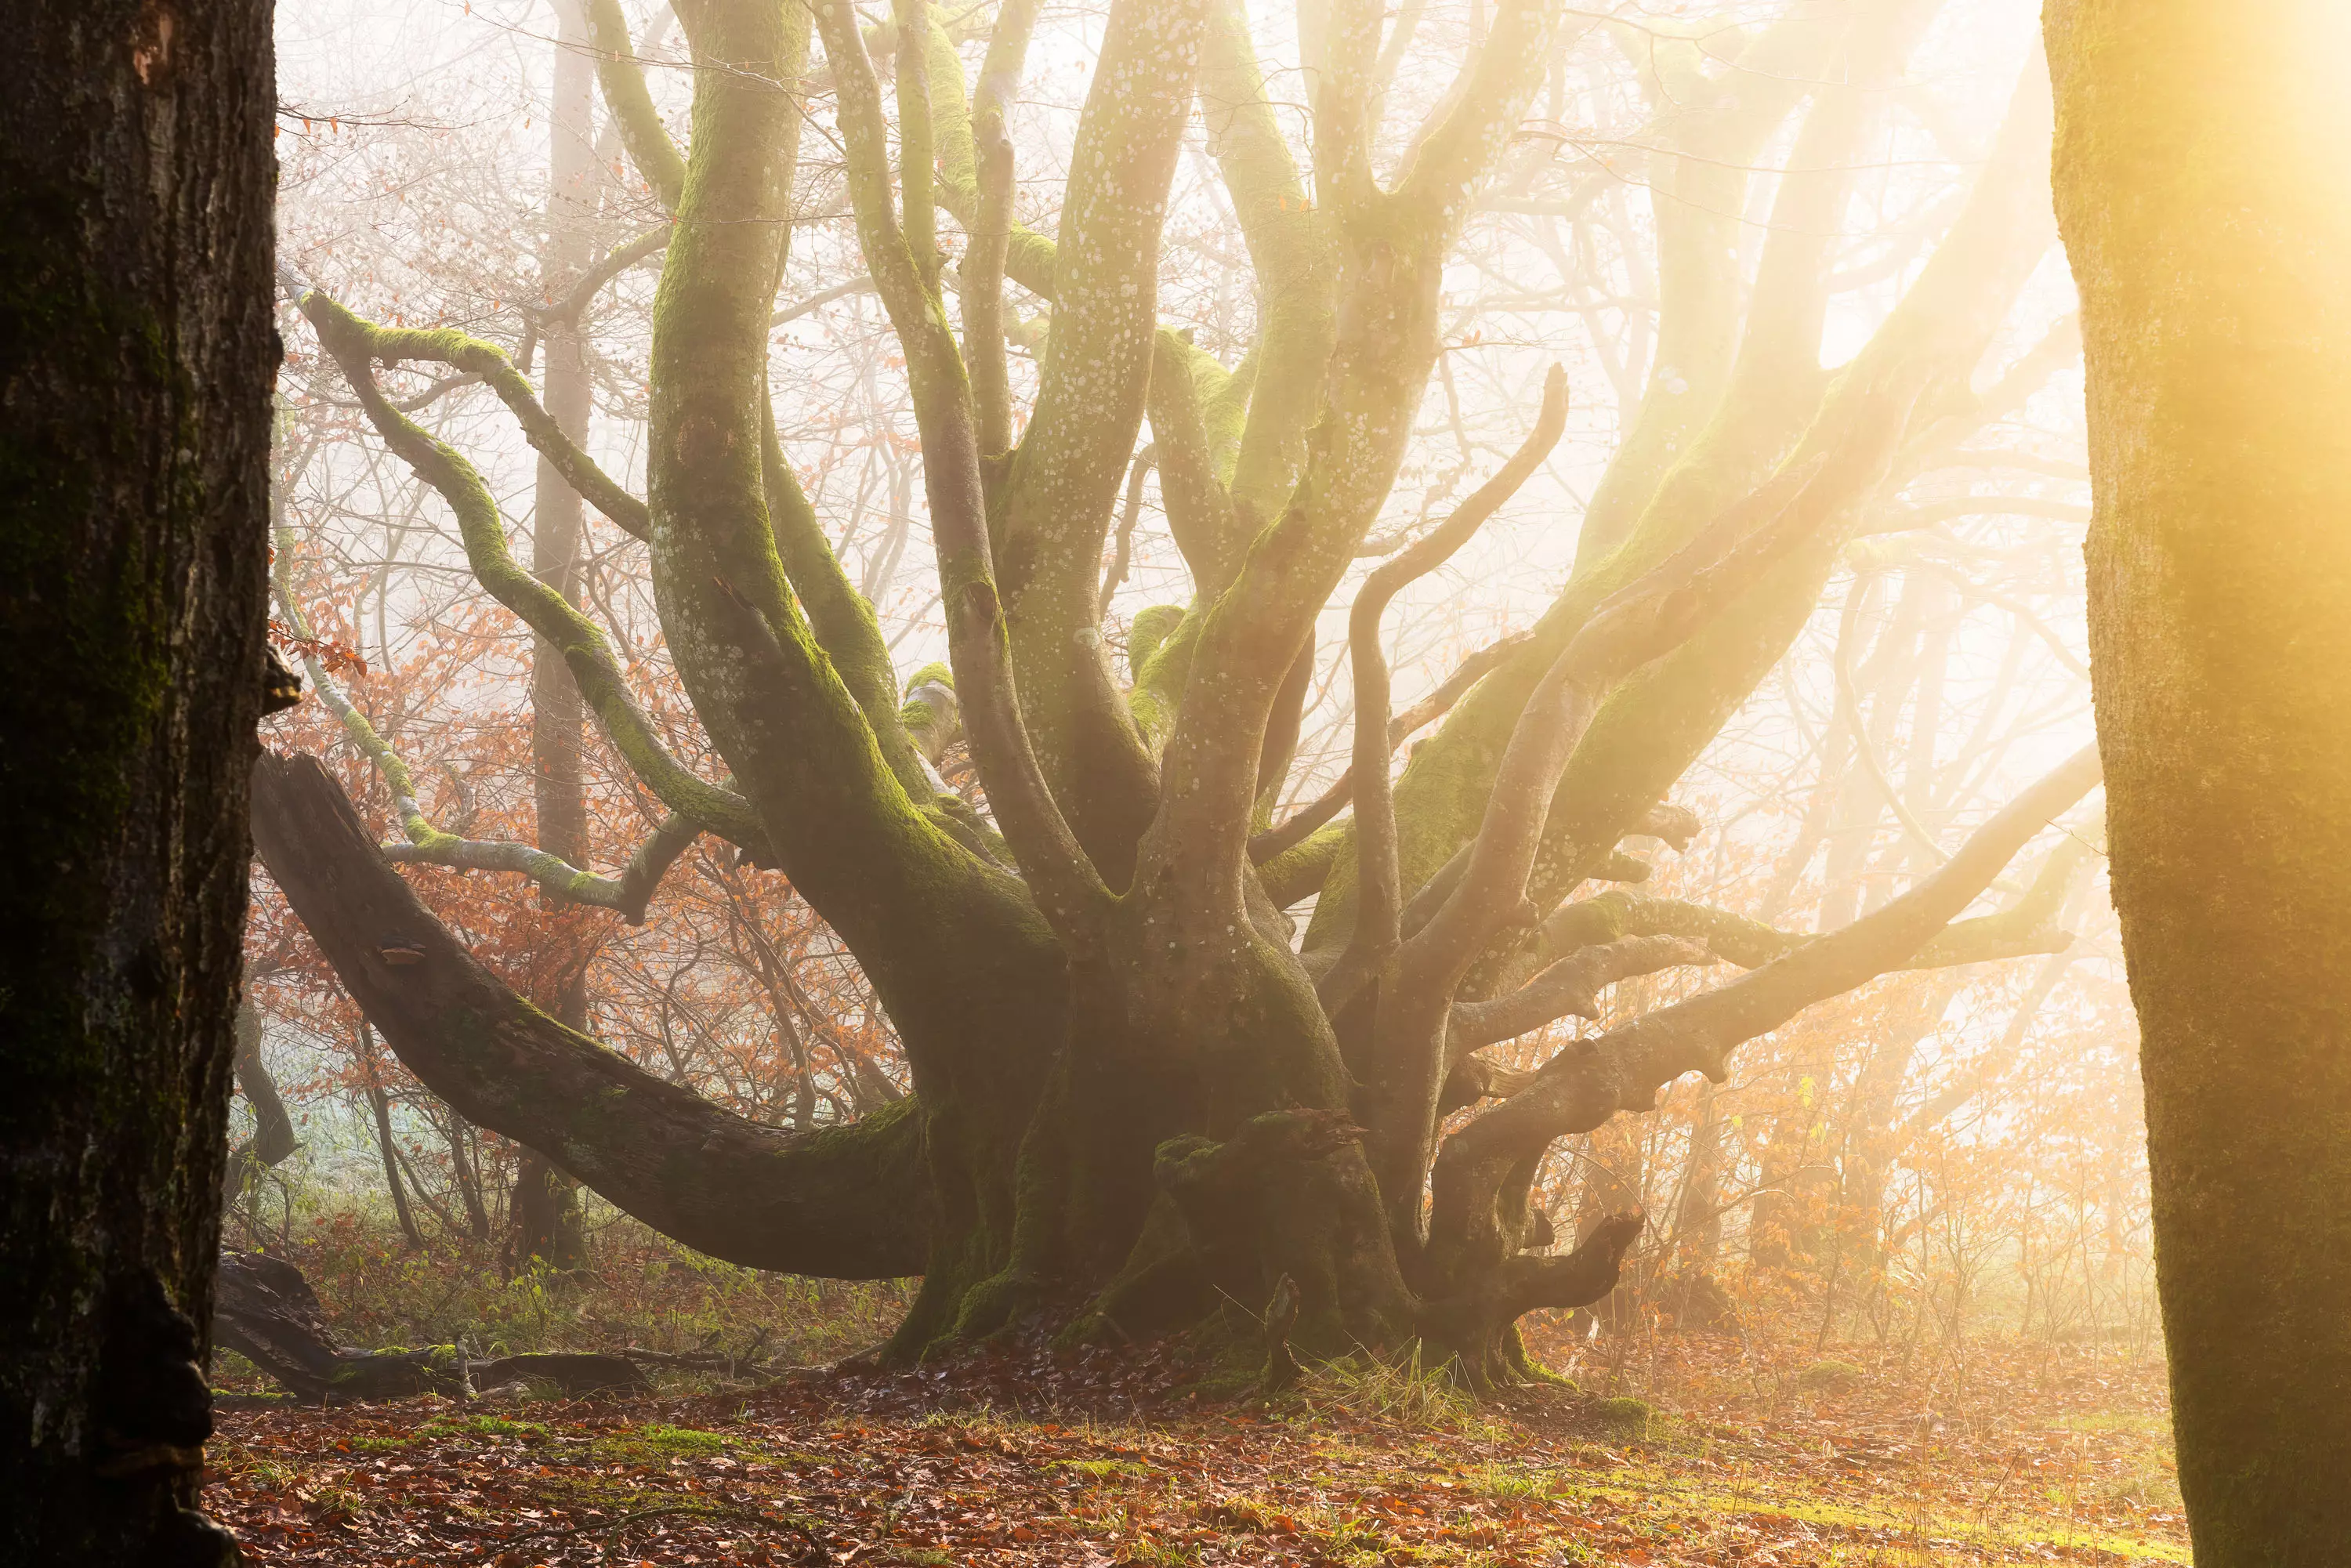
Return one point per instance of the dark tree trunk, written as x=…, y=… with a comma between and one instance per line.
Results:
x=548, y=1227
x=136, y=360
x=2206, y=209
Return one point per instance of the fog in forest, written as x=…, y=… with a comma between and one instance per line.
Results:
x=1936, y=1152
x=1174, y=783
x=1728, y=371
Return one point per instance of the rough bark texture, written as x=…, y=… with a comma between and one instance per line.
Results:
x=136, y=361
x=2207, y=210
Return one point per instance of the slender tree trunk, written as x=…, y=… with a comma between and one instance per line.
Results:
x=273, y=1128
x=547, y=1219
x=136, y=358
x=381, y=1103
x=465, y=1171
x=2206, y=205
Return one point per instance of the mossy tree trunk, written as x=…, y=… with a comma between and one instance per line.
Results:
x=136, y=360
x=1137, y=1102
x=2207, y=213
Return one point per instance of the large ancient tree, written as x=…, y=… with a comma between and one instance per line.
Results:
x=136, y=361
x=1141, y=1092
x=2214, y=323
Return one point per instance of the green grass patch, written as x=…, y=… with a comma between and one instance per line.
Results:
x=1103, y=1470
x=480, y=1426
x=1929, y=1526
x=655, y=1444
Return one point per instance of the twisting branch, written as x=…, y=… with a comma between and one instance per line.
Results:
x=1569, y=987
x=2027, y=927
x=1646, y=619
x=1583, y=1086
x=1199, y=508
x=1291, y=256
x=1293, y=832
x=918, y=164
x=852, y=1202
x=1376, y=934
x=1524, y=1283
x=1067, y=886
x=982, y=282
x=1650, y=617
x=353, y=345
x=628, y=894
x=623, y=81
x=1386, y=340
x=349, y=337
x=566, y=310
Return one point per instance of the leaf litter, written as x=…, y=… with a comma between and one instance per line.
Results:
x=1099, y=1460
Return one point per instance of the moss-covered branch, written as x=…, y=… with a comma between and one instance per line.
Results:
x=1291, y=254
x=1657, y=724
x=1417, y=984
x=1063, y=486
x=355, y=345
x=1393, y=254
x=1280, y=841
x=352, y=338
x=623, y=77
x=851, y=1202
x=1067, y=885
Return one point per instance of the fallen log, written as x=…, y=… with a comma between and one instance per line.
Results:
x=266, y=1310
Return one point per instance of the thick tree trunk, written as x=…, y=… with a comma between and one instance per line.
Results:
x=2207, y=207
x=136, y=359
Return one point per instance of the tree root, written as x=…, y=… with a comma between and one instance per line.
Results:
x=266, y=1311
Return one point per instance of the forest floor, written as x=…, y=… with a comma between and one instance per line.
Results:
x=2017, y=1453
